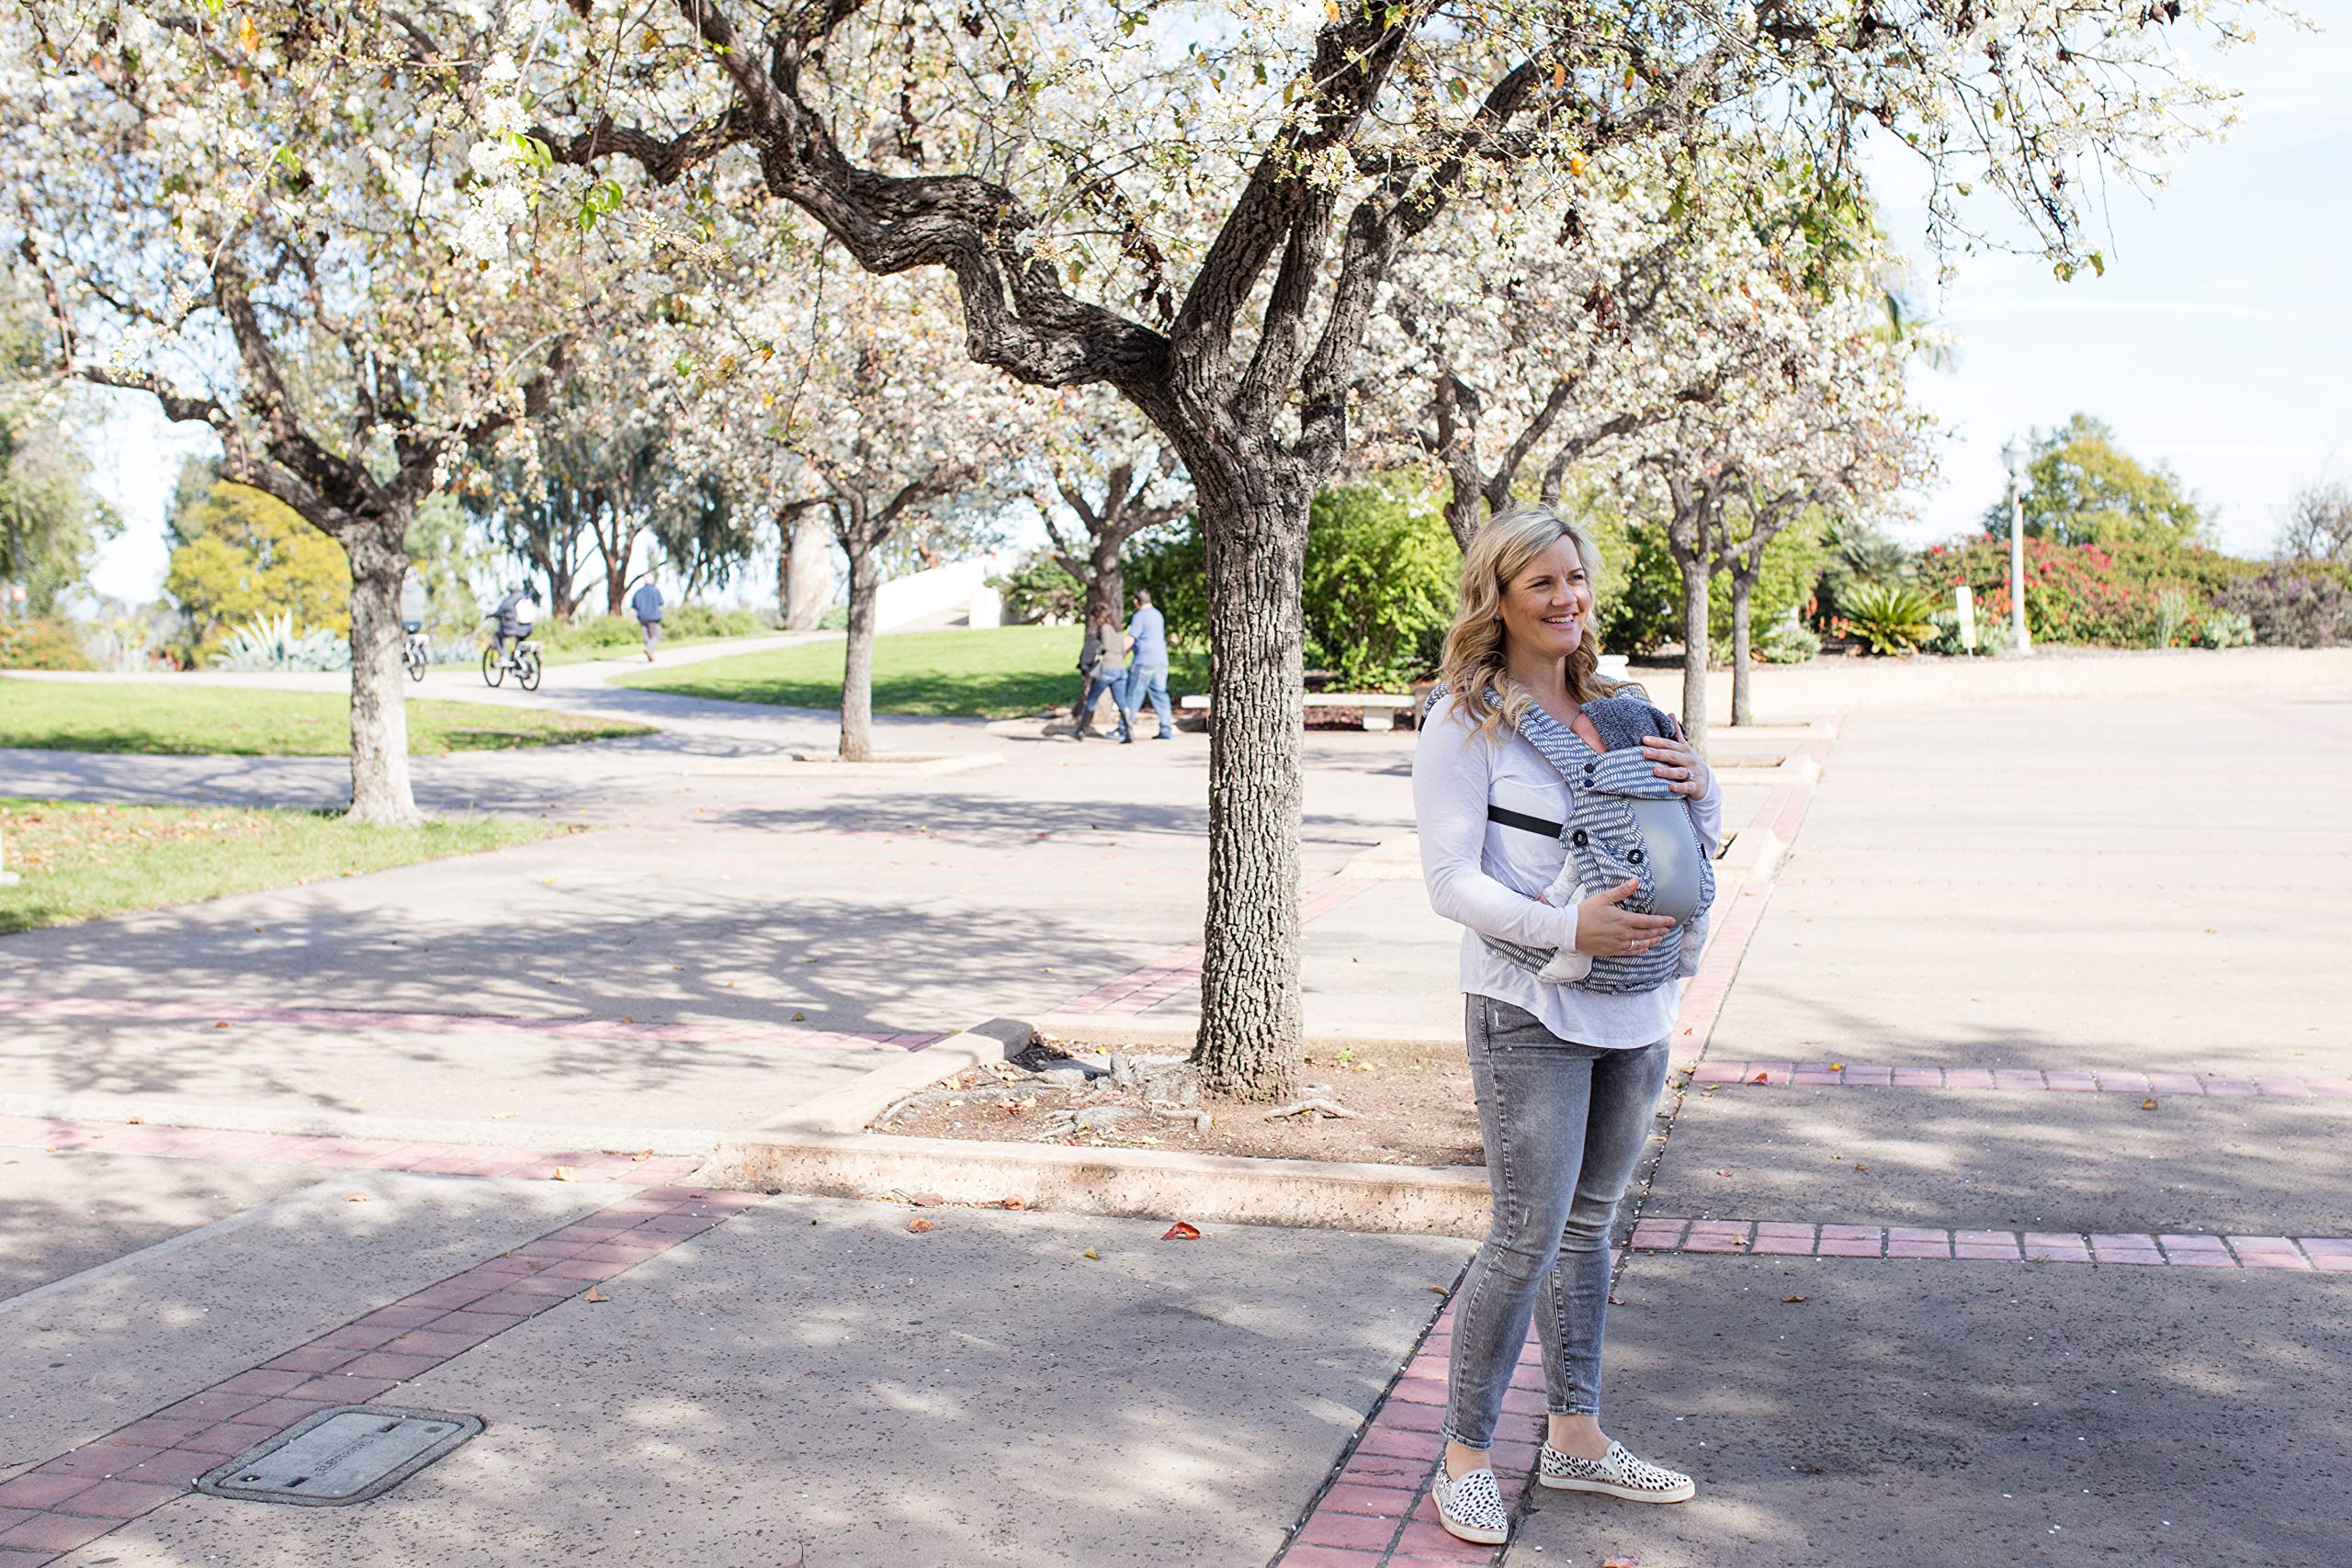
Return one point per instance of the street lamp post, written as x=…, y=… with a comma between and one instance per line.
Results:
x=2014, y=456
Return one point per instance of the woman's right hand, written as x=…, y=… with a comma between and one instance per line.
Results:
x=1604, y=931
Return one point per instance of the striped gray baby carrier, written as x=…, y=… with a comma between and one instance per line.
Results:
x=1624, y=825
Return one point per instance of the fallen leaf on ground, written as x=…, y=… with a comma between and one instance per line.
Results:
x=926, y=1199
x=562, y=1173
x=1183, y=1231
x=1090, y=1252
x=1440, y=1290
x=641, y=1159
x=1796, y=1298
x=1761, y=1077
x=501, y=1116
x=1837, y=1066
x=596, y=1296
x=919, y=1224
x=2147, y=1105
x=220, y=1026
x=1621, y=1563
x=354, y=1197
x=1859, y=1168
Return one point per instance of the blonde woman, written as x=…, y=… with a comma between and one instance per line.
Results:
x=1573, y=947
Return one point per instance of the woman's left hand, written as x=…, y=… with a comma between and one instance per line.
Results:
x=1678, y=764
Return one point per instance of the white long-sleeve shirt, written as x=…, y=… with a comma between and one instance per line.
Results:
x=1489, y=878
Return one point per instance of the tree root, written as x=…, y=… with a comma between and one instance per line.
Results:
x=1316, y=1104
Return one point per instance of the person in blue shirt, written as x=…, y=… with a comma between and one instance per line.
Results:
x=1147, y=670
x=646, y=605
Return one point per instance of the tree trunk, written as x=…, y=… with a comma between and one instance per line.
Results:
x=806, y=574
x=1743, y=584
x=1466, y=508
x=1694, y=652
x=379, y=781
x=1251, y=1012
x=857, y=665
x=1106, y=585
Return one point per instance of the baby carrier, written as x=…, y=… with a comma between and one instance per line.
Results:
x=1624, y=825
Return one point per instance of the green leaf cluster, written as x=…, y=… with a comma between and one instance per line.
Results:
x=239, y=554
x=2083, y=489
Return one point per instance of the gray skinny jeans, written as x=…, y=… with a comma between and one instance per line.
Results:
x=1564, y=1127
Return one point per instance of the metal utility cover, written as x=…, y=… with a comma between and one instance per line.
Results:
x=341, y=1455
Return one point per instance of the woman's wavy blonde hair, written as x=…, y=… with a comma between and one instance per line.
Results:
x=1474, y=661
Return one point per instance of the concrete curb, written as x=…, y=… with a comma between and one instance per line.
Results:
x=809, y=764
x=849, y=1107
x=822, y=1149
x=1127, y=1183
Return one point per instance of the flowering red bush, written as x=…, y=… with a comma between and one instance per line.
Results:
x=2075, y=593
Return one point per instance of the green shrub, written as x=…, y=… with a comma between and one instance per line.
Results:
x=42, y=645
x=1786, y=640
x=1381, y=577
x=2292, y=604
x=1040, y=588
x=2075, y=593
x=274, y=642
x=1892, y=617
x=594, y=634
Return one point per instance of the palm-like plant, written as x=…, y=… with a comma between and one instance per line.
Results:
x=273, y=643
x=1893, y=618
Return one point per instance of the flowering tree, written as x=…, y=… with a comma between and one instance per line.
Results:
x=863, y=405
x=1546, y=332
x=296, y=225
x=1117, y=476
x=1197, y=205
x=1809, y=411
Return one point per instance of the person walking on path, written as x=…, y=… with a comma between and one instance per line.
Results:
x=646, y=605
x=1098, y=666
x=1147, y=670
x=1567, y=1072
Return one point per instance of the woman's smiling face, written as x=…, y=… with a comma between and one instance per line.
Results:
x=1546, y=606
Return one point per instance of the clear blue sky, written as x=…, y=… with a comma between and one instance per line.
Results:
x=2220, y=340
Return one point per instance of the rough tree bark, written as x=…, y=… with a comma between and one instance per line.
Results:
x=1252, y=1006
x=857, y=663
x=381, y=791
x=1695, y=635
x=1743, y=586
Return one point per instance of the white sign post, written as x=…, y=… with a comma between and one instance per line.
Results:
x=1963, y=599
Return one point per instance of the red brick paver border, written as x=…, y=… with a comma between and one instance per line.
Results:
x=338, y=1154
x=1794, y=1239
x=2028, y=1080
x=1376, y=1509
x=464, y=1022
x=78, y=1497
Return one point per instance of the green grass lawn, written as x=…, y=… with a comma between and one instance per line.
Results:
x=1001, y=672
x=80, y=862
x=240, y=721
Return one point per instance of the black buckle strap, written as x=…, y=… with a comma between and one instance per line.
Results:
x=1522, y=821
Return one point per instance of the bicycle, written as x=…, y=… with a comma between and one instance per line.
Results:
x=416, y=654
x=523, y=659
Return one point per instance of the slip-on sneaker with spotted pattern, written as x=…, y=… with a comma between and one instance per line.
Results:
x=1471, y=1506
x=1616, y=1473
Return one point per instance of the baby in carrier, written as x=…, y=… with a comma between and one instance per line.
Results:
x=1624, y=825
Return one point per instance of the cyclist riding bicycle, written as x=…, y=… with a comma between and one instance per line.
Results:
x=517, y=612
